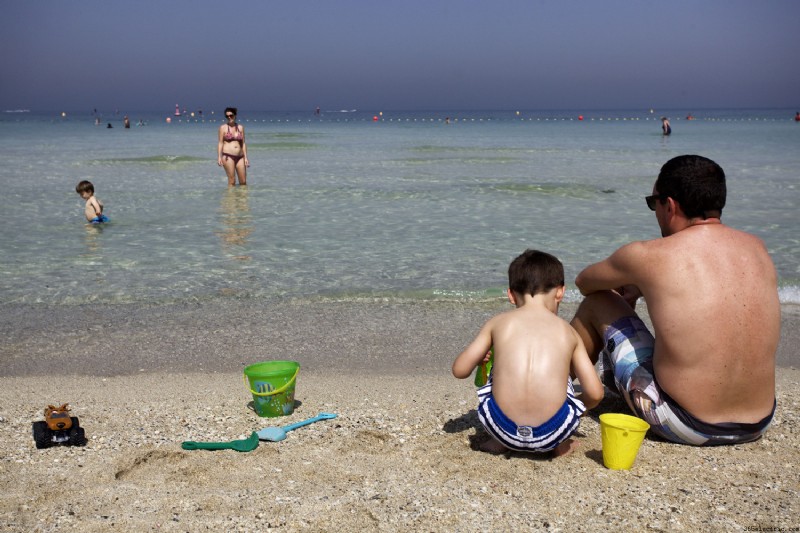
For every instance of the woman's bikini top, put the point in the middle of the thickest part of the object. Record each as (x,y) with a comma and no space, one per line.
(233,137)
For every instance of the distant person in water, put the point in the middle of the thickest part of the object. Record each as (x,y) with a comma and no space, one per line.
(127,122)
(232,150)
(94,207)
(797,117)
(665,127)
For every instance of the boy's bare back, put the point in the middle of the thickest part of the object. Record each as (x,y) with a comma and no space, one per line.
(533,349)
(534,353)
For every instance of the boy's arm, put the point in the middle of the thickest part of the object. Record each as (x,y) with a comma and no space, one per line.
(582,368)
(473,354)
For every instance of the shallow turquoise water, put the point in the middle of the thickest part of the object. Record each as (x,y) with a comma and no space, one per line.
(342,206)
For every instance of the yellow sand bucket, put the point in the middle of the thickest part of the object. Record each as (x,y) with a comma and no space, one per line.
(621,435)
(272,385)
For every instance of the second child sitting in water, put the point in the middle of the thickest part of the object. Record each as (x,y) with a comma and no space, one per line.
(529,403)
(94,207)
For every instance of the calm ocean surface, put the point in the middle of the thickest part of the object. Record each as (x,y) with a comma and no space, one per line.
(342,206)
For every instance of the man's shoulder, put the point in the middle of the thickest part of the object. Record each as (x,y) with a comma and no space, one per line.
(637,250)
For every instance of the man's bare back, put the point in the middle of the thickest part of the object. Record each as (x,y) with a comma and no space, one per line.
(711,293)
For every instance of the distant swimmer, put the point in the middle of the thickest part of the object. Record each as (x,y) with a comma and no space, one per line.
(797,117)
(689,117)
(317,111)
(127,122)
(232,150)
(665,127)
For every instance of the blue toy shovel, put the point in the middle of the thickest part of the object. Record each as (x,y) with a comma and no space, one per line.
(277,434)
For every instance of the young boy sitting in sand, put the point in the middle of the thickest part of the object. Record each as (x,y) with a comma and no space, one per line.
(94,207)
(528,403)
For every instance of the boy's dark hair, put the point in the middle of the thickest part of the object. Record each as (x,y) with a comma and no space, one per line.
(696,183)
(84,186)
(535,272)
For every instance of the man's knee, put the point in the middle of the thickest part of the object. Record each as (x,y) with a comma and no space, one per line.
(603,308)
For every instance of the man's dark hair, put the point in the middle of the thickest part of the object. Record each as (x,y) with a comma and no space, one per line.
(535,272)
(696,183)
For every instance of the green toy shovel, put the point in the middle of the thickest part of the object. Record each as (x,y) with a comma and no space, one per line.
(245,445)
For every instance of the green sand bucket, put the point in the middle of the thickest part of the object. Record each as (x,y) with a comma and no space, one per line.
(621,436)
(272,385)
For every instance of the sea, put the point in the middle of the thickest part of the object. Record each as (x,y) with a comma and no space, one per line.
(362,204)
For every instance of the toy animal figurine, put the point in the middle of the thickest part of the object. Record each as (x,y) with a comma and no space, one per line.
(58,427)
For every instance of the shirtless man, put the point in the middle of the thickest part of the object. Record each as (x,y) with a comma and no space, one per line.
(708,377)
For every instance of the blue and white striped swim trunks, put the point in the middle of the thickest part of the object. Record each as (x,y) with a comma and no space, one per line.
(541,438)
(627,362)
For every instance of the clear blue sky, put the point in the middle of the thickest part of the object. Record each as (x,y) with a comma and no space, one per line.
(399,54)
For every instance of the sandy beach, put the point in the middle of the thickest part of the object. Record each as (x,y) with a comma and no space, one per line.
(400,455)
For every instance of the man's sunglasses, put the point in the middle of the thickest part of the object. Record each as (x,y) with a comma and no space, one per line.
(651,200)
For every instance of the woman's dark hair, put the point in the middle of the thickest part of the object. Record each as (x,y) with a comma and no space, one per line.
(231,110)
(696,183)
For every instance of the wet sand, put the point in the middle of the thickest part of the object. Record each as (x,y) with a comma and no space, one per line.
(401,454)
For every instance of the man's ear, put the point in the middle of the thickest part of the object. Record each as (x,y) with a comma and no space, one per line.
(673,207)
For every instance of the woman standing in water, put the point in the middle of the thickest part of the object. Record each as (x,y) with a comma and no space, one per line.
(232,150)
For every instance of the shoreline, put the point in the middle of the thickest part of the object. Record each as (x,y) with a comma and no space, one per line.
(375,337)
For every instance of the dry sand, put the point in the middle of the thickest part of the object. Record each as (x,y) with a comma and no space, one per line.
(400,456)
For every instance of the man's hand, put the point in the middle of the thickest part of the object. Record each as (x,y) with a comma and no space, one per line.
(629,293)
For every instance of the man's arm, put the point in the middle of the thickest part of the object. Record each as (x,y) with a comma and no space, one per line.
(612,273)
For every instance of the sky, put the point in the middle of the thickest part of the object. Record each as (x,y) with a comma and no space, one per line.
(294,55)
